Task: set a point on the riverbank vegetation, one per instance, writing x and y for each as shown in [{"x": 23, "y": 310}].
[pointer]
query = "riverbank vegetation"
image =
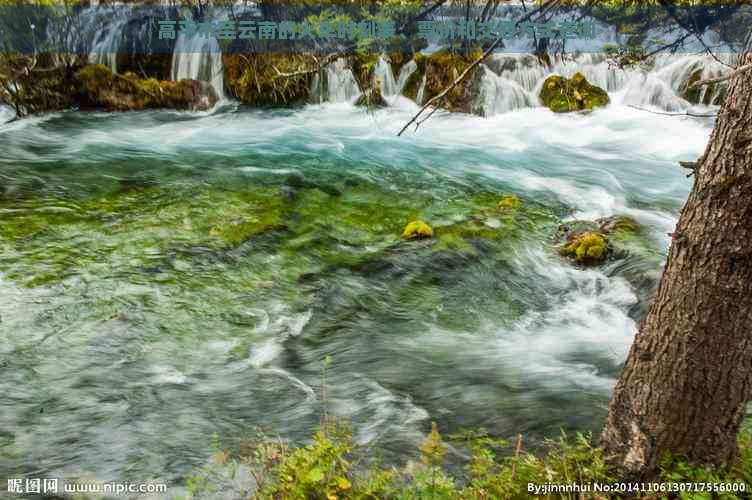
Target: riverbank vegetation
[{"x": 469, "y": 465}]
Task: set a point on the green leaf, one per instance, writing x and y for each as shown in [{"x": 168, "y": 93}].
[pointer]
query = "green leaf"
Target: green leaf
[{"x": 315, "y": 475}]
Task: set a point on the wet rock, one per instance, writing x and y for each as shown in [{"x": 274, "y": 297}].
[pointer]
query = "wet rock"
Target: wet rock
[{"x": 563, "y": 95}]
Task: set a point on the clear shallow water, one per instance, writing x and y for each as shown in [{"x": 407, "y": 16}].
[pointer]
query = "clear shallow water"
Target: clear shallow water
[{"x": 167, "y": 276}]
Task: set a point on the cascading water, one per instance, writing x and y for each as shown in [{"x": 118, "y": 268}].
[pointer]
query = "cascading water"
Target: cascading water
[
  {"x": 499, "y": 95},
  {"x": 335, "y": 84},
  {"x": 6, "y": 114},
  {"x": 513, "y": 81},
  {"x": 405, "y": 72},
  {"x": 383, "y": 74},
  {"x": 107, "y": 40},
  {"x": 421, "y": 91},
  {"x": 199, "y": 58}
]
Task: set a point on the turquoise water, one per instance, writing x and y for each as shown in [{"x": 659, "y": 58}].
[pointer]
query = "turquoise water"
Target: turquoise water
[{"x": 170, "y": 279}]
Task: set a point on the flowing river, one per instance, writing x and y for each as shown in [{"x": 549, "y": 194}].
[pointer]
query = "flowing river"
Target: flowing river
[{"x": 172, "y": 279}]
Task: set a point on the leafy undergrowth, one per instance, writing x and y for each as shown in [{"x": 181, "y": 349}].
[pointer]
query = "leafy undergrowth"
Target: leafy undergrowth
[{"x": 334, "y": 467}]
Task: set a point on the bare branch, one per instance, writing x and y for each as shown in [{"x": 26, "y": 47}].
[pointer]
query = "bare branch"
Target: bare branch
[
  {"x": 327, "y": 60},
  {"x": 723, "y": 78},
  {"x": 488, "y": 51},
  {"x": 686, "y": 113}
]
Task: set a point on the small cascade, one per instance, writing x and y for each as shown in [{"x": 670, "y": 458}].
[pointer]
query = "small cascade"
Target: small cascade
[
  {"x": 405, "y": 72},
  {"x": 513, "y": 81},
  {"x": 383, "y": 74},
  {"x": 421, "y": 91},
  {"x": 499, "y": 95},
  {"x": 678, "y": 72},
  {"x": 341, "y": 83},
  {"x": 198, "y": 58},
  {"x": 6, "y": 114},
  {"x": 650, "y": 90},
  {"x": 335, "y": 84}
]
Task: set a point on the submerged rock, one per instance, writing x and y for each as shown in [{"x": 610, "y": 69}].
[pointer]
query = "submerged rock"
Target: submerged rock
[
  {"x": 592, "y": 242},
  {"x": 417, "y": 229},
  {"x": 562, "y": 95}
]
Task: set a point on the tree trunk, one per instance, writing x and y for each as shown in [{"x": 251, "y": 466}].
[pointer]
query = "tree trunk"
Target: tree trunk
[{"x": 688, "y": 376}]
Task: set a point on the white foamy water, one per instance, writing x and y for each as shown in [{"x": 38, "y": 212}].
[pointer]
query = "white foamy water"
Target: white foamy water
[{"x": 6, "y": 114}]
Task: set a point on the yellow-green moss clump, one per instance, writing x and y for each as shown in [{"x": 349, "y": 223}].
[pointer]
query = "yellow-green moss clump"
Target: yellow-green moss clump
[
  {"x": 100, "y": 88},
  {"x": 417, "y": 229},
  {"x": 509, "y": 201},
  {"x": 588, "y": 248},
  {"x": 562, "y": 95}
]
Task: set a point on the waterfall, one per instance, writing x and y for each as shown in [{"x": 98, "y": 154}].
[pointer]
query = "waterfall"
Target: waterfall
[
  {"x": 405, "y": 72},
  {"x": 499, "y": 95},
  {"x": 199, "y": 58},
  {"x": 383, "y": 74},
  {"x": 335, "y": 84},
  {"x": 421, "y": 91}
]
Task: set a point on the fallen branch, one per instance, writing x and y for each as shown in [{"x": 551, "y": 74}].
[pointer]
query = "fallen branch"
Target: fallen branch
[
  {"x": 686, "y": 113},
  {"x": 327, "y": 60},
  {"x": 475, "y": 63},
  {"x": 692, "y": 165},
  {"x": 727, "y": 76}
]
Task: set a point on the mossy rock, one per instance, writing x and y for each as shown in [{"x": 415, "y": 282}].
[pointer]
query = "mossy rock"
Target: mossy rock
[
  {"x": 623, "y": 238},
  {"x": 562, "y": 95},
  {"x": 586, "y": 248},
  {"x": 99, "y": 88},
  {"x": 509, "y": 202},
  {"x": 440, "y": 70},
  {"x": 363, "y": 64},
  {"x": 417, "y": 229},
  {"x": 254, "y": 79}
]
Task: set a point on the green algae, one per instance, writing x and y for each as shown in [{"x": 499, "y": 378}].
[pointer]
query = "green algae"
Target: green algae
[{"x": 124, "y": 229}]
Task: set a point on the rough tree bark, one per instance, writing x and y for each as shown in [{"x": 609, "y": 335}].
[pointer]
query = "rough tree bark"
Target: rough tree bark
[{"x": 688, "y": 375}]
